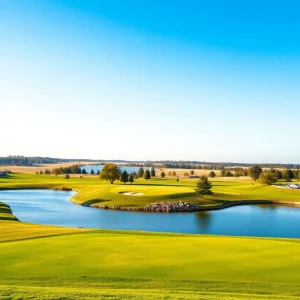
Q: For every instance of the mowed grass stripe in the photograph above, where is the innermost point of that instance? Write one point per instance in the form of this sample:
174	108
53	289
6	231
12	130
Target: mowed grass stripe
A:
153	257
32	292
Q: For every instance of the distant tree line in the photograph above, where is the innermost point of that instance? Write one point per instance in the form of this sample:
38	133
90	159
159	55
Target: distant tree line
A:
74	169
272	175
19	160
112	172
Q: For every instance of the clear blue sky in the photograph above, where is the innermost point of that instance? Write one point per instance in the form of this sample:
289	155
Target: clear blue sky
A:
186	80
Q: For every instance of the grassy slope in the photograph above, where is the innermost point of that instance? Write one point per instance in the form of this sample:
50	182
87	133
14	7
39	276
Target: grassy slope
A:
60	263
92	191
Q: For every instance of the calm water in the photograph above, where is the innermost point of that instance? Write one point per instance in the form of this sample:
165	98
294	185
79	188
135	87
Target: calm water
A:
54	208
99	168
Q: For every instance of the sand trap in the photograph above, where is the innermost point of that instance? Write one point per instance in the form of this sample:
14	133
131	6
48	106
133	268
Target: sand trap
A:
131	194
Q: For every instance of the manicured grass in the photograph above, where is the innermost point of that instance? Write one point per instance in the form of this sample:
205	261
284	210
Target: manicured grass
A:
46	262
92	191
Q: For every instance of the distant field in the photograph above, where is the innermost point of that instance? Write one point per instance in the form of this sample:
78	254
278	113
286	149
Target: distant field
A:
180	172
33	170
44	262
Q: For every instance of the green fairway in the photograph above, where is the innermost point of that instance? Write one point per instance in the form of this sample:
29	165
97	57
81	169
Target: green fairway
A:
47	262
92	191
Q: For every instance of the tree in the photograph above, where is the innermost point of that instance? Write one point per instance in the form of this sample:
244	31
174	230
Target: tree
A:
185	174
162	174
110	172
288	175
141	172
135	175
83	171
124	177
147	174
41	172
228	174
169	173
192	172
56	171
212	174
173	173
131	178
238	172
75	169
203	186
177	179
223	172
47	172
279	174
267	178
153	172
98	172
254	172
92	172
67	176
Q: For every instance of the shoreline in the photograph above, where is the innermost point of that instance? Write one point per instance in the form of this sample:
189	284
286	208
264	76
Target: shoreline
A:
192	207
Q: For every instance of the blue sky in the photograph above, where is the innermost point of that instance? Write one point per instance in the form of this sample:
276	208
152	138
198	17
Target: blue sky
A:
185	80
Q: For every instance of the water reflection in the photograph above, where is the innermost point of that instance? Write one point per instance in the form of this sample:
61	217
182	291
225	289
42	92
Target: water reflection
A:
203	219
268	206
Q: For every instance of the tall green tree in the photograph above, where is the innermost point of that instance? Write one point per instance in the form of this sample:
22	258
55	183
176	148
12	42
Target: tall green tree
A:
147	174
153	172
110	172
267	178
279	174
83	171
124	177
203	186
254	172
131	178
141	172
92	172
288	175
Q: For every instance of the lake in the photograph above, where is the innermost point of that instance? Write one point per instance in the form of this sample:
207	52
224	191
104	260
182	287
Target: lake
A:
54	208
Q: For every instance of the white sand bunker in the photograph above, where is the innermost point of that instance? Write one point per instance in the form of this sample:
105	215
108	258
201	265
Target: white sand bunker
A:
131	194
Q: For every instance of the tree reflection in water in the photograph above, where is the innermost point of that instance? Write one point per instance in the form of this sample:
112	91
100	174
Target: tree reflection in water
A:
203	219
